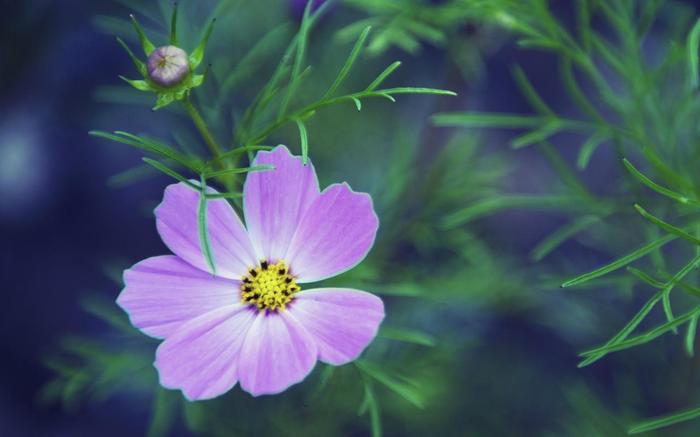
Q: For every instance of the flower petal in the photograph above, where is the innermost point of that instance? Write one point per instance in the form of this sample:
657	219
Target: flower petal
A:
277	353
163	292
342	321
176	219
335	234
201	358
276	200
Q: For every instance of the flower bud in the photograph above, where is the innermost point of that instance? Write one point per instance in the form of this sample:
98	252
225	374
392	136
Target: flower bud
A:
168	66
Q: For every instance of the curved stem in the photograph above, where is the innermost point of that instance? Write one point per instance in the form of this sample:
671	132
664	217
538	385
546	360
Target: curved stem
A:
202	127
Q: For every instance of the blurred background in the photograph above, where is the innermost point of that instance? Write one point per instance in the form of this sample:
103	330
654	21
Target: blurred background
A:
481	339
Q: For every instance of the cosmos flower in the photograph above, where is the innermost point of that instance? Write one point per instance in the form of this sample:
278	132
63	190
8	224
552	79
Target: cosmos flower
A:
249	321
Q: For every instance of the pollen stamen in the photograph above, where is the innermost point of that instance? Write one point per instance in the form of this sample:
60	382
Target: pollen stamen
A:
269	286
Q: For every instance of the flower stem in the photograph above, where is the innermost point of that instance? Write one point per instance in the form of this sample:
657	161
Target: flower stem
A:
202	127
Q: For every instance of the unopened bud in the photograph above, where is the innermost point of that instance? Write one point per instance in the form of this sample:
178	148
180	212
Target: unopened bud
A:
168	66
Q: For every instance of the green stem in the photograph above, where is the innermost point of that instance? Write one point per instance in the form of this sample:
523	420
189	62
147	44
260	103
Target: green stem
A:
202	127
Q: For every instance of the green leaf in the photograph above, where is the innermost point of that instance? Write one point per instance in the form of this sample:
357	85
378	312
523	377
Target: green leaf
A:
415	90
589	147
382	77
238	151
162	413
693	46
146	44
621	262
646	278
666	226
536	136
230	171
173	26
225	196
304	141
486	120
163	100
646	337
690	336
130	176
349	62
140	85
202	226
148	145
170	172
405	389
530	93
358	103
664	421
301	42
140	66
369	403
406	335
626	330
198	54
658	188
493	204
564	233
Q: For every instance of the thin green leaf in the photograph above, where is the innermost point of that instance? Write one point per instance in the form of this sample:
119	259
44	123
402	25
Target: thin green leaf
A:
304	140
550	128
349	62
486	120
168	171
225	196
130	176
646	337
140	85
493	204
369	403
693	46
358	103
690	336
302	41
662	422
384	74
666	226
589	147
646	278
407	335
564	233
626	330
238	151
140	66
530	93
230	171
173	26
404	389
204	241
146	44
415	90
621	262
658	188
198	54
162	413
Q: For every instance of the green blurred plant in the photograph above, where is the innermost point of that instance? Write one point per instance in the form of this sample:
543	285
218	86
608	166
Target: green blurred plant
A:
641	109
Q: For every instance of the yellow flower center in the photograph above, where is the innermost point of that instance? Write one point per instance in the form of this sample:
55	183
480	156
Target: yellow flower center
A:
269	286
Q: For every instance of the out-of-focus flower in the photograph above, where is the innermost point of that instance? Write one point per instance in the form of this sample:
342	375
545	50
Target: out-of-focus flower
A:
248	320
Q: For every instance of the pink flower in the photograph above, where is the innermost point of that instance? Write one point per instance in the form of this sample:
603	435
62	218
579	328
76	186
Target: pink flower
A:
250	322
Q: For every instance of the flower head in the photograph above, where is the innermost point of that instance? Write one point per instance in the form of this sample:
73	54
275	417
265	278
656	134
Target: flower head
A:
249	320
